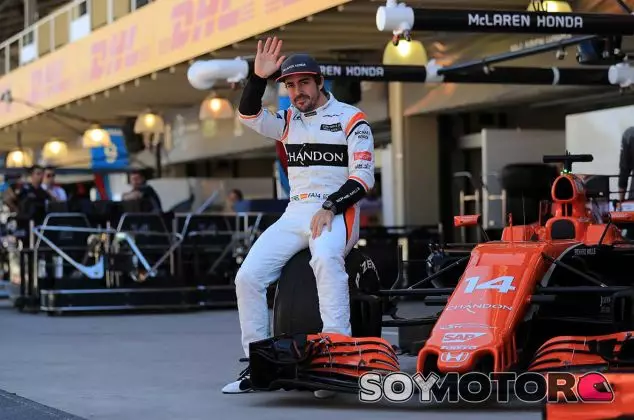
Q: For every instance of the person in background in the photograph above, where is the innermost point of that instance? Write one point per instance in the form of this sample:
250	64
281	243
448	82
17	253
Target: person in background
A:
49	185
142	191
234	196
32	189
626	163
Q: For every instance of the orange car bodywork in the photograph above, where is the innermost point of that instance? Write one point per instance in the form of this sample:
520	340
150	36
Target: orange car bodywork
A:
575	351
494	292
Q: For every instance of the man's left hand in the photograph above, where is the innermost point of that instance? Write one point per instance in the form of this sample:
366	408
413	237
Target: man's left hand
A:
321	218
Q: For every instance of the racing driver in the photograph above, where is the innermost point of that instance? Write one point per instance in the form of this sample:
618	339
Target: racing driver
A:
330	150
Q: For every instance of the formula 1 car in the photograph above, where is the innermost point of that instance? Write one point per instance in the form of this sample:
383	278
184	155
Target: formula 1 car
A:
555	295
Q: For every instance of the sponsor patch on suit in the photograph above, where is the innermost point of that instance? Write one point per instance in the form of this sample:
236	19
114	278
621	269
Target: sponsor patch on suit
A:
331	127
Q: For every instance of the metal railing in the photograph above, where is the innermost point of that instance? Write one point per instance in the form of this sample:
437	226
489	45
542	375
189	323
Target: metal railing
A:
69	23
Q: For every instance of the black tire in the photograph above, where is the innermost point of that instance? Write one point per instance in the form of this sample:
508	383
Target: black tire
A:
296	305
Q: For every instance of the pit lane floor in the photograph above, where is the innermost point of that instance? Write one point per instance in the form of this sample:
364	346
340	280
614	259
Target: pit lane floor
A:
162	366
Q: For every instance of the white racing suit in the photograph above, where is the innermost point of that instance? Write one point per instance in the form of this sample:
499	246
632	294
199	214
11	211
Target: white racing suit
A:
330	153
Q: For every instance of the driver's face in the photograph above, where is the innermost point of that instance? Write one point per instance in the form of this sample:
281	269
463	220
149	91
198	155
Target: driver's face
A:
303	91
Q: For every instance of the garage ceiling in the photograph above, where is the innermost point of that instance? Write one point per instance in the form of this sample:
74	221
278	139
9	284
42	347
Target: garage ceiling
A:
344	33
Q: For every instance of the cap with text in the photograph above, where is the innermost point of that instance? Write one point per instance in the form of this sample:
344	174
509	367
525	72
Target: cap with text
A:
299	64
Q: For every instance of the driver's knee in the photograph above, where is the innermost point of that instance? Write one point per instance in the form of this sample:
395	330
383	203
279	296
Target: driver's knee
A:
247	279
326	261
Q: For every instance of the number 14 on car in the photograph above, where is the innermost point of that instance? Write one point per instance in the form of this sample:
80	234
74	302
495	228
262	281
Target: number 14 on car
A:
502	284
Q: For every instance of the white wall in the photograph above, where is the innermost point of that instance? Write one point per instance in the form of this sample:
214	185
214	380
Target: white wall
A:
504	147
599	133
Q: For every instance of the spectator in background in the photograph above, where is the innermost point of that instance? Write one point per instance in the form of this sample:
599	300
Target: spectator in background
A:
142	191
32	190
626	163
234	196
49	185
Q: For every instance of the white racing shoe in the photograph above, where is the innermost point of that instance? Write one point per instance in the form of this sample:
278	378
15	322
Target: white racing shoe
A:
242	384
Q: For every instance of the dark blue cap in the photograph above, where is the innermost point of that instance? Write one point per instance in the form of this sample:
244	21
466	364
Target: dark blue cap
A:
299	64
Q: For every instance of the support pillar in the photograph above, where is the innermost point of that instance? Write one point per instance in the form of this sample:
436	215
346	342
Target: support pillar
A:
30	13
396	110
413	175
421	170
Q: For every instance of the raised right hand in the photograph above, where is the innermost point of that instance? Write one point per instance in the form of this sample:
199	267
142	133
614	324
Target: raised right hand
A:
267	59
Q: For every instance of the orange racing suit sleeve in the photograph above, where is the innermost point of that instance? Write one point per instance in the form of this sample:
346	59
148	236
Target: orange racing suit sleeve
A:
361	165
253	115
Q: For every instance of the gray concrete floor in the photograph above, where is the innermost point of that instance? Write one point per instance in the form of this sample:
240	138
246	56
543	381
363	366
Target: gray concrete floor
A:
164	366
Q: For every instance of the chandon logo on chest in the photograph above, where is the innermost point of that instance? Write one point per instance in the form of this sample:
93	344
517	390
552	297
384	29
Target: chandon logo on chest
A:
317	154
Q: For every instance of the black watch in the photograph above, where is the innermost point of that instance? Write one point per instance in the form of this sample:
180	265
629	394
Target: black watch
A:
329	205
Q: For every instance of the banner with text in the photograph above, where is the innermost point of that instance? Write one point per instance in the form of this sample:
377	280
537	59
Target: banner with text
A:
130	47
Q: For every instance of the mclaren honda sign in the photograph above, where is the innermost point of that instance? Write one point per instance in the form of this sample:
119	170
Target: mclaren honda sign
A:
528	20
351	70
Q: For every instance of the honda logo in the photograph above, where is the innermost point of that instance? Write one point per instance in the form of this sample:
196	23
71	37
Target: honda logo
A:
454	357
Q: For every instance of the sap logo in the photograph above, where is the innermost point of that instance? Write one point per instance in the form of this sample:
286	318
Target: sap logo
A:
457	348
449	357
333	128
460	337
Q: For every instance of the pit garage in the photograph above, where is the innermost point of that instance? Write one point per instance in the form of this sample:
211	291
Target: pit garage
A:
449	126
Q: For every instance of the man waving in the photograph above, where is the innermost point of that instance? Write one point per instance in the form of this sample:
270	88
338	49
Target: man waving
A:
330	149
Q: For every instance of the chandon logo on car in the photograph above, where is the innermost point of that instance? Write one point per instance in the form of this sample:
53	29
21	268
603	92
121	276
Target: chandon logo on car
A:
317	154
473	307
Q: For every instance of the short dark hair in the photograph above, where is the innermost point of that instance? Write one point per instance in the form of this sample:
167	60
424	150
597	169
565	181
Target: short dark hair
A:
50	168
34	168
238	193
319	79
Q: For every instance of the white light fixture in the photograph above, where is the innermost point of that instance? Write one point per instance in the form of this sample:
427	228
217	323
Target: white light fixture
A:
549	6
149	123
19	159
215	108
54	149
96	136
406	53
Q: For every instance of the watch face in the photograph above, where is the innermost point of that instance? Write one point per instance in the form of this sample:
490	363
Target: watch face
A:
328	205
